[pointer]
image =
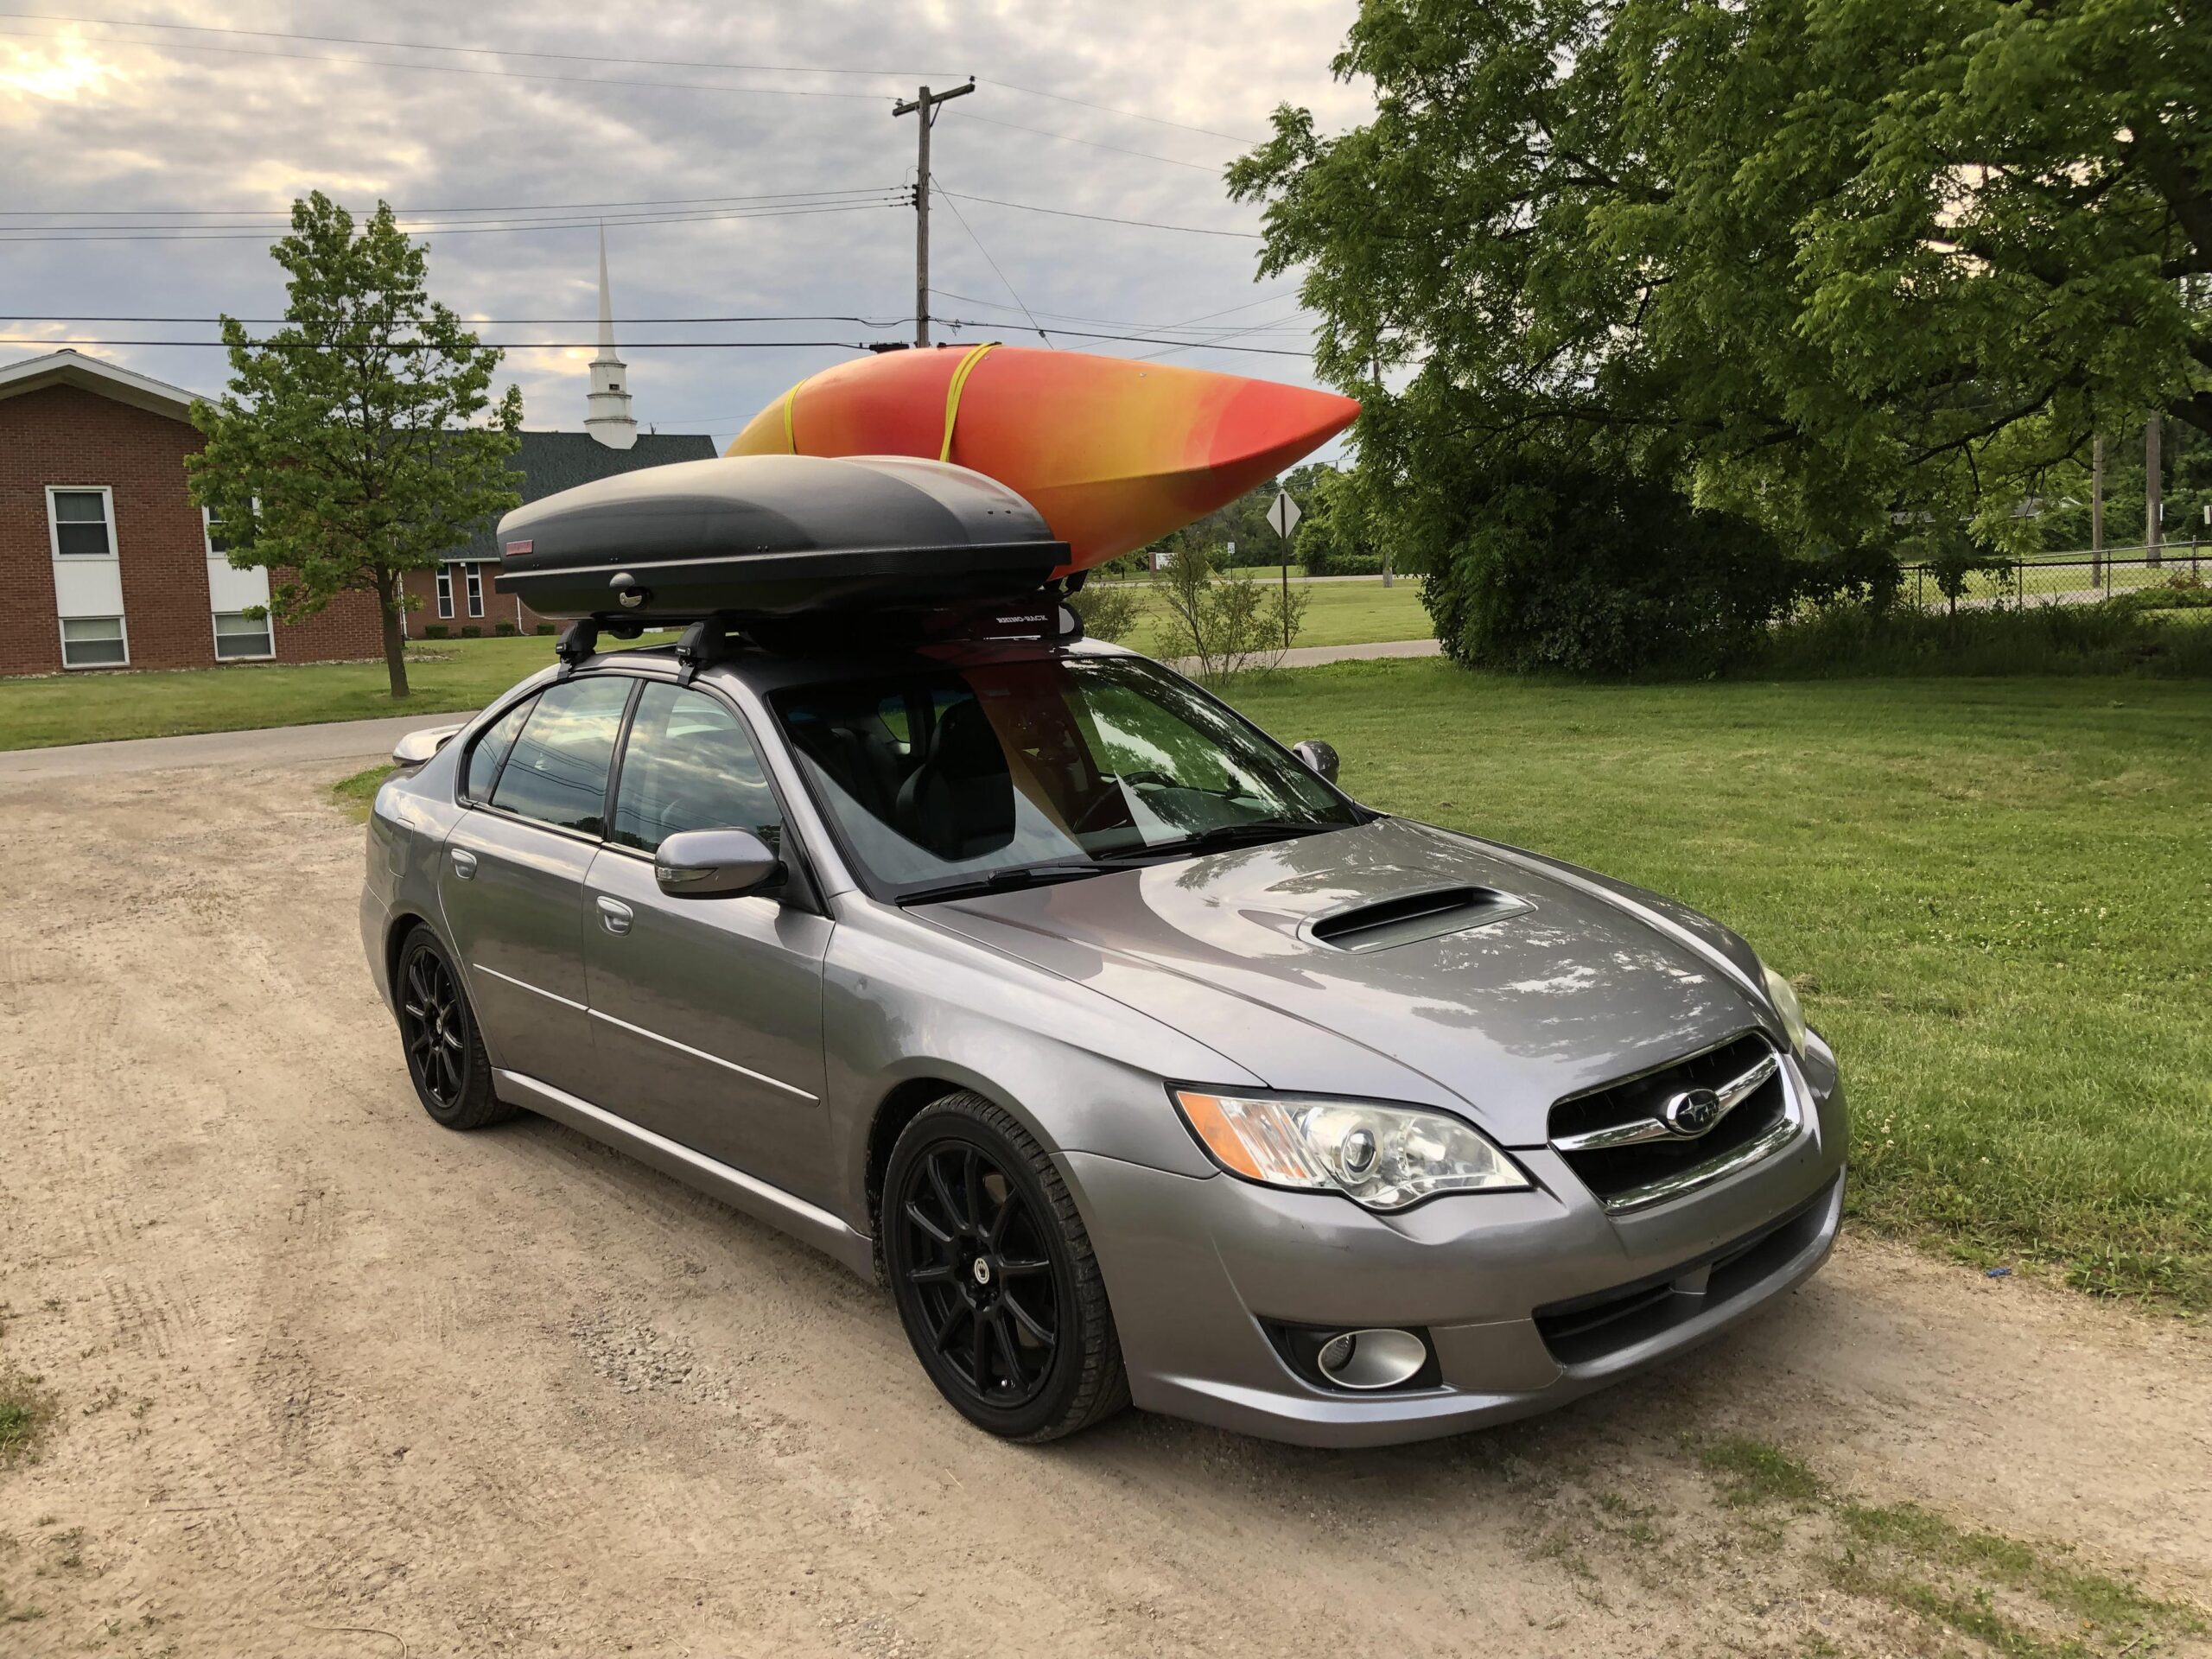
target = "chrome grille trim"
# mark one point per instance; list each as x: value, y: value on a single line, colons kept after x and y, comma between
x: 1732, y: 1094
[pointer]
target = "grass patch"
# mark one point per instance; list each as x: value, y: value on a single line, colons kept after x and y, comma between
x: 2004, y: 1593
x: 1337, y: 614
x: 356, y: 794
x: 1753, y: 1473
x: 2122, y: 636
x: 25, y: 1412
x: 1993, y: 896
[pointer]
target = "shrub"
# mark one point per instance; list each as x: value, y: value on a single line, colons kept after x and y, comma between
x: 437, y: 630
x: 1222, y: 622
x: 1109, y: 610
x: 506, y: 631
x: 1605, y: 573
x: 2115, y: 636
x: 547, y: 628
x: 2181, y: 593
x: 472, y: 632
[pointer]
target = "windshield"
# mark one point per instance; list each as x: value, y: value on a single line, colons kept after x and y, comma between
x: 1003, y: 773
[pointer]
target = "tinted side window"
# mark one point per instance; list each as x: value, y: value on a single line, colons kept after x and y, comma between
x: 558, y: 772
x: 690, y: 765
x: 491, y: 750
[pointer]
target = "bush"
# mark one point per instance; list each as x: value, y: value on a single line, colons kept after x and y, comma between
x: 506, y: 631
x: 2115, y: 636
x: 2181, y: 593
x: 546, y: 628
x: 1109, y: 610
x: 472, y: 632
x: 437, y: 630
x: 1222, y: 622
x: 1605, y: 573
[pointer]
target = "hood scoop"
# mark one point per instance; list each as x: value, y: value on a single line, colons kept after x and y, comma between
x: 1411, y: 917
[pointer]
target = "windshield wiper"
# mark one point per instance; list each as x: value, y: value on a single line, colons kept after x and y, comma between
x: 1020, y: 875
x: 1251, y: 832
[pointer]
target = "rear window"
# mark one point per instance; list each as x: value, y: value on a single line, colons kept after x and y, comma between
x: 557, y: 772
x: 491, y: 751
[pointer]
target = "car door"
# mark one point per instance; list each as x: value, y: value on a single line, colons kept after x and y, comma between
x: 511, y: 878
x: 707, y: 1011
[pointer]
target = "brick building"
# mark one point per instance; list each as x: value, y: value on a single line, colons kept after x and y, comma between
x: 105, y: 562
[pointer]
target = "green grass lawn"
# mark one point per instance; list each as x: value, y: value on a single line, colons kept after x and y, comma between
x: 447, y: 675
x: 1995, y: 896
x: 1337, y: 614
x: 444, y: 676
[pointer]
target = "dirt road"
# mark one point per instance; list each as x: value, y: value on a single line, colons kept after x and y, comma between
x: 329, y: 1379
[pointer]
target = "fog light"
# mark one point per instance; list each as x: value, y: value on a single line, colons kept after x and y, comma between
x: 1371, y: 1359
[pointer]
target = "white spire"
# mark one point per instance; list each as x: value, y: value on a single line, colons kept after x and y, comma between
x: 608, y: 418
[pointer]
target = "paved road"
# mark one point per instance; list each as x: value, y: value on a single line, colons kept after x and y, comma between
x: 364, y: 740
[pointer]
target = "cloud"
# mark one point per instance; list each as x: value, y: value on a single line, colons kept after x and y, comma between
x: 143, y: 122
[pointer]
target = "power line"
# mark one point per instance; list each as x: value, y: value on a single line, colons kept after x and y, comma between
x: 993, y: 263
x: 1092, y: 144
x: 495, y: 322
x: 601, y: 57
x: 426, y: 231
x: 448, y: 69
x: 1138, y: 340
x: 662, y: 345
x: 285, y: 212
x: 1125, y: 323
x: 1133, y: 114
x: 1109, y: 218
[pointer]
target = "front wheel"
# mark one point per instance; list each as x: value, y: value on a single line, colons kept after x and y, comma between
x: 994, y: 1277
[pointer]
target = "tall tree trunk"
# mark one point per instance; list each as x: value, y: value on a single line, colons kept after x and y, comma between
x: 389, y: 598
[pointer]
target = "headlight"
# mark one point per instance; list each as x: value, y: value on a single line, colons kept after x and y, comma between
x: 1780, y: 992
x: 1383, y: 1157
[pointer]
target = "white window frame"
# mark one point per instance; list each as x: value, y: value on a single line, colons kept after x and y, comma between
x: 475, y: 574
x: 61, y: 633
x: 445, y: 592
x: 268, y: 623
x: 106, y: 491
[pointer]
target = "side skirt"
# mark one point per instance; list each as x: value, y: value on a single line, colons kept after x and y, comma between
x: 734, y: 1187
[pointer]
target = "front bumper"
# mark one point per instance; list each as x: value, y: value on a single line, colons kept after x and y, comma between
x: 1517, y: 1291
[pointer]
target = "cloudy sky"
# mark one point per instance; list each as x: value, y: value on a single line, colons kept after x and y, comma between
x: 738, y: 127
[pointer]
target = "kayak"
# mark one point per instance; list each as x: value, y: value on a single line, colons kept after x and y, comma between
x: 1114, y: 454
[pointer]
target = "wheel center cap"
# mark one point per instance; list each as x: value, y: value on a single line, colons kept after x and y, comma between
x: 981, y: 1270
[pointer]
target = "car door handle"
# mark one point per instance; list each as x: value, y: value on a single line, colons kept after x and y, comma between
x: 464, y: 863
x: 616, y: 914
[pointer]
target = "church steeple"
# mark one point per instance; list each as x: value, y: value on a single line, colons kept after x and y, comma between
x: 608, y: 418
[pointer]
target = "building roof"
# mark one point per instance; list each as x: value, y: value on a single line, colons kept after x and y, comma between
x: 548, y: 463
x: 71, y: 368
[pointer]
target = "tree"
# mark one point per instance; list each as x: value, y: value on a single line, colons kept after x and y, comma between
x: 346, y: 450
x: 1816, y: 261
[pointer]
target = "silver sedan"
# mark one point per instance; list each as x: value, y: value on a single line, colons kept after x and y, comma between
x: 1143, y: 1063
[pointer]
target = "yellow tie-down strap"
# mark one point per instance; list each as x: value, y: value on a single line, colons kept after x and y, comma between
x: 952, y: 394
x: 791, y: 397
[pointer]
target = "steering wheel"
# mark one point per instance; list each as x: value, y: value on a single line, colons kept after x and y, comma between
x: 1083, y: 820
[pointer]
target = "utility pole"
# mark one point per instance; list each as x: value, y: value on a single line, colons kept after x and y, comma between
x: 2151, y: 504
x: 925, y: 105
x: 2096, y: 512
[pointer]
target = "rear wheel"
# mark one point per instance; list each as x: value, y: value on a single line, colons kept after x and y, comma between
x: 445, y: 1056
x: 994, y: 1277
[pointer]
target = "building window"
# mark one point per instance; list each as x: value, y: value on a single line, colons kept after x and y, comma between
x: 211, y: 524
x: 93, y: 642
x: 240, y: 638
x: 83, y: 523
x: 445, y: 592
x: 475, y: 588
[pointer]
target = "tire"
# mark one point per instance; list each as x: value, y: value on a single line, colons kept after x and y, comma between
x: 446, y: 1060
x: 978, y: 1229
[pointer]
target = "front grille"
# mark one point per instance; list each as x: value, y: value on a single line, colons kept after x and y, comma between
x: 1625, y: 1175
x: 1590, y: 1327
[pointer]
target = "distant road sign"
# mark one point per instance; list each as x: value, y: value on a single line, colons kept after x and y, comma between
x: 1284, y: 515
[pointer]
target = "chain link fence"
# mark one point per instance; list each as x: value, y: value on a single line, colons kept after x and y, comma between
x: 2065, y: 578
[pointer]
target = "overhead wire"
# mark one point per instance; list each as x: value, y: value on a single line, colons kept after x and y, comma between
x: 1109, y: 219
x: 992, y: 263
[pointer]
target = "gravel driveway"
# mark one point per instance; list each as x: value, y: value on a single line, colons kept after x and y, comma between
x: 329, y: 1379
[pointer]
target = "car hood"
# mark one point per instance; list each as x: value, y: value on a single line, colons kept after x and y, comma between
x: 1545, y: 982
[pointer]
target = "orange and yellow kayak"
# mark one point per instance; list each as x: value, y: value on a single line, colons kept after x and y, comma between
x: 1114, y: 454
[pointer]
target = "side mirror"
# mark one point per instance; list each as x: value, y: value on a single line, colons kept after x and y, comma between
x: 416, y: 748
x: 714, y: 864
x: 1319, y: 758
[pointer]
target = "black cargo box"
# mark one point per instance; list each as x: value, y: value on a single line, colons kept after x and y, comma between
x: 774, y: 536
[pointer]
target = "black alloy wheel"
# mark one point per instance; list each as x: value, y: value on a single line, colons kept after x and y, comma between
x: 445, y: 1057
x: 994, y: 1276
